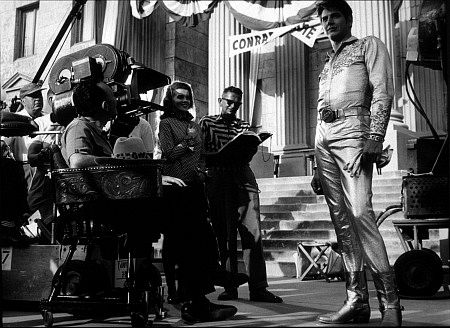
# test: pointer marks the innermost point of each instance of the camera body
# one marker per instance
(106, 65)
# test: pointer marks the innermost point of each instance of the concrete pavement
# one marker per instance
(303, 301)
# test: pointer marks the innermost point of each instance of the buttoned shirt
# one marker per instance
(359, 75)
(84, 137)
(45, 124)
(144, 131)
(181, 151)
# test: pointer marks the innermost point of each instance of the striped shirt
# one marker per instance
(217, 132)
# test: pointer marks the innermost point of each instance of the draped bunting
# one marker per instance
(142, 8)
(186, 12)
(255, 15)
(263, 15)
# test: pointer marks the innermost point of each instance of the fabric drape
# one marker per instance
(187, 12)
(139, 38)
(100, 11)
(264, 15)
(255, 15)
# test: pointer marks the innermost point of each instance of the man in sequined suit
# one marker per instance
(355, 97)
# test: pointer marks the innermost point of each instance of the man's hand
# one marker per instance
(316, 184)
(168, 180)
(369, 154)
(192, 132)
(372, 149)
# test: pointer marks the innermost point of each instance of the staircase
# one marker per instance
(291, 212)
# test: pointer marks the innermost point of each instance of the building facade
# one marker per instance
(280, 80)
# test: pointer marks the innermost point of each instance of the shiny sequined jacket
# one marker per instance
(359, 74)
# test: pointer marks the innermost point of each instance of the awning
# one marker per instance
(255, 15)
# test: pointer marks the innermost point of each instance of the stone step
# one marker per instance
(393, 244)
(392, 241)
(295, 184)
(313, 234)
(275, 269)
(307, 199)
(325, 223)
(291, 211)
(281, 263)
(311, 199)
(306, 179)
(319, 215)
(301, 234)
(290, 191)
(292, 225)
(393, 247)
(318, 207)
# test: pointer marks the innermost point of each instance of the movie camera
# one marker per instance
(106, 65)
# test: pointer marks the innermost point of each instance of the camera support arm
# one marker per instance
(78, 6)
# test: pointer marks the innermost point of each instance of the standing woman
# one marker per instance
(191, 240)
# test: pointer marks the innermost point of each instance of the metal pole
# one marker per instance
(73, 13)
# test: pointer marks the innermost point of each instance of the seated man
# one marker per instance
(40, 193)
(83, 143)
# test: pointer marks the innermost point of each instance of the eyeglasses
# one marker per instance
(230, 102)
(183, 97)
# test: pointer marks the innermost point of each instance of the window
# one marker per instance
(90, 24)
(26, 31)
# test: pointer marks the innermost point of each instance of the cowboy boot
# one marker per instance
(387, 293)
(356, 306)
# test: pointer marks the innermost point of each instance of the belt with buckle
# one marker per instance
(328, 115)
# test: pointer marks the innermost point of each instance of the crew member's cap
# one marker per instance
(130, 148)
(29, 89)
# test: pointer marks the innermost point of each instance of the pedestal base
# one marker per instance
(262, 163)
(397, 137)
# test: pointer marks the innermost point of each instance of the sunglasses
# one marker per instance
(183, 97)
(231, 102)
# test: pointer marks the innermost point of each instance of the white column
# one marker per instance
(375, 17)
(110, 23)
(224, 70)
(290, 94)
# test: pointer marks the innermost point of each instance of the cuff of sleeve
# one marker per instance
(376, 137)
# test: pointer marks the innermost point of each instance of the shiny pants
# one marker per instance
(350, 198)
(234, 206)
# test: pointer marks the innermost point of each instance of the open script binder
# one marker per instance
(241, 148)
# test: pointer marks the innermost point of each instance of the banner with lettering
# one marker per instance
(310, 34)
(306, 32)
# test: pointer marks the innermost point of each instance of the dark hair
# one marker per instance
(87, 99)
(169, 108)
(233, 90)
(340, 5)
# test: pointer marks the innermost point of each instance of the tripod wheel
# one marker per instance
(419, 273)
